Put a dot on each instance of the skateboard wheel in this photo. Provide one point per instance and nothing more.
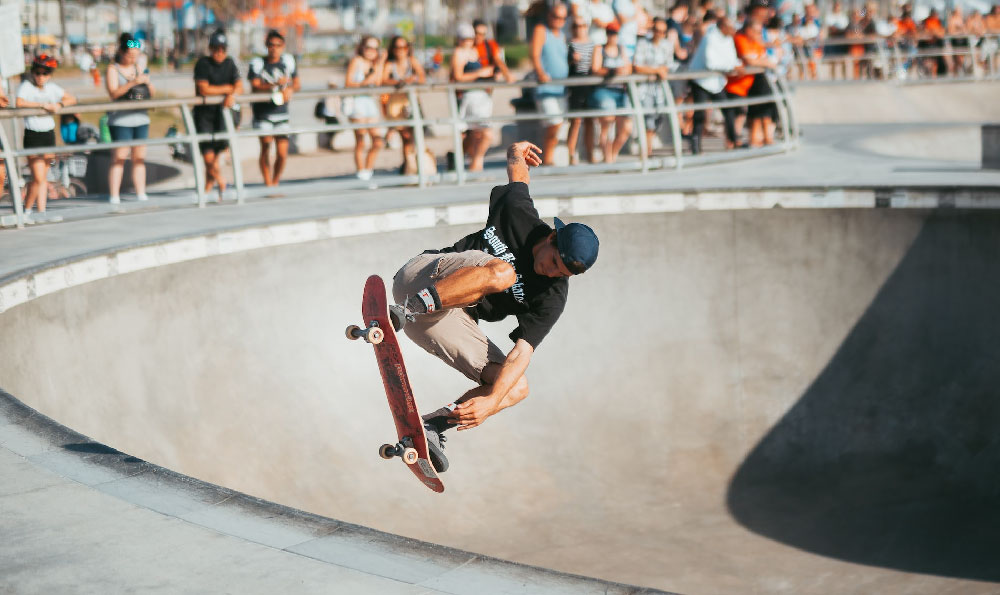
(410, 456)
(387, 451)
(375, 335)
(350, 332)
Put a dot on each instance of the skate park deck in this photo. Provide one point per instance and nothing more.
(778, 378)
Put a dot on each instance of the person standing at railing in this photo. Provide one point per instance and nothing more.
(215, 75)
(550, 59)
(716, 52)
(655, 57)
(958, 32)
(627, 12)
(364, 70)
(612, 60)
(127, 82)
(581, 60)
(835, 22)
(277, 74)
(38, 91)
(751, 49)
(466, 67)
(402, 68)
(933, 41)
(992, 21)
(490, 53)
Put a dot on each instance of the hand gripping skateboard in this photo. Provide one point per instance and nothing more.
(411, 445)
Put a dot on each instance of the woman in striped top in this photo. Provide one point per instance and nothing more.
(581, 58)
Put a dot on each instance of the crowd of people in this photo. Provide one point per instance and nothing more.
(584, 38)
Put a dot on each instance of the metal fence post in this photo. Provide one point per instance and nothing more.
(197, 160)
(227, 118)
(456, 135)
(675, 125)
(418, 136)
(13, 177)
(781, 103)
(640, 124)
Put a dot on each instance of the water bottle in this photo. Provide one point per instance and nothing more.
(105, 130)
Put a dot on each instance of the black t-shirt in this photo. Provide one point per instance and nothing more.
(216, 73)
(512, 229)
(272, 72)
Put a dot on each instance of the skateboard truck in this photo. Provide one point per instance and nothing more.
(402, 449)
(373, 334)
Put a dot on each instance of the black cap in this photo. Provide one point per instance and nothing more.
(577, 244)
(218, 40)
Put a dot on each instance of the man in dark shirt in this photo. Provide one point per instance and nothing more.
(215, 74)
(515, 266)
(276, 74)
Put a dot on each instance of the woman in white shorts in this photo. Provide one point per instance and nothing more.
(476, 104)
(365, 70)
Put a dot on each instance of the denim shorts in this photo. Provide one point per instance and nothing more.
(120, 133)
(606, 98)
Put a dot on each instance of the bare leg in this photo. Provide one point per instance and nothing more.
(549, 143)
(571, 139)
(377, 142)
(40, 186)
(482, 144)
(604, 139)
(264, 162)
(359, 149)
(588, 138)
(139, 169)
(623, 129)
(117, 171)
(280, 158)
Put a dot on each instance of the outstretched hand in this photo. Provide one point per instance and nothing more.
(529, 152)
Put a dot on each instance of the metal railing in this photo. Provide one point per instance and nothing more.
(636, 110)
(896, 57)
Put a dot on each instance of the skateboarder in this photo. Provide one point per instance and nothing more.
(515, 266)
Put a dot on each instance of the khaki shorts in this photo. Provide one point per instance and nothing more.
(451, 335)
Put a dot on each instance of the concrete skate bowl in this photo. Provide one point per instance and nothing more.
(752, 400)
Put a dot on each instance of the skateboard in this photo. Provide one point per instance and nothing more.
(411, 445)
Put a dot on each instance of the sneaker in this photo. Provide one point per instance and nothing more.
(28, 219)
(399, 316)
(365, 174)
(142, 197)
(435, 448)
(114, 199)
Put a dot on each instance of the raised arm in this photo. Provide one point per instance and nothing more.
(520, 157)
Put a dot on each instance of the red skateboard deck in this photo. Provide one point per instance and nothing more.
(409, 425)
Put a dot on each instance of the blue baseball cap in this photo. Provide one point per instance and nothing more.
(577, 245)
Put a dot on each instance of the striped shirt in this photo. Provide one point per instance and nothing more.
(585, 51)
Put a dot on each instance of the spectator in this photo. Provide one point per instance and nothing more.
(550, 59)
(627, 12)
(38, 91)
(215, 75)
(581, 60)
(612, 60)
(656, 57)
(993, 20)
(933, 40)
(466, 67)
(598, 14)
(278, 75)
(402, 68)
(810, 32)
(716, 52)
(836, 22)
(126, 82)
(364, 70)
(752, 51)
(958, 31)
(489, 52)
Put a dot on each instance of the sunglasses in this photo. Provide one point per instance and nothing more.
(275, 45)
(581, 25)
(557, 18)
(401, 47)
(660, 31)
(371, 47)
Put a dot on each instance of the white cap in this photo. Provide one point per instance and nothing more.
(465, 31)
